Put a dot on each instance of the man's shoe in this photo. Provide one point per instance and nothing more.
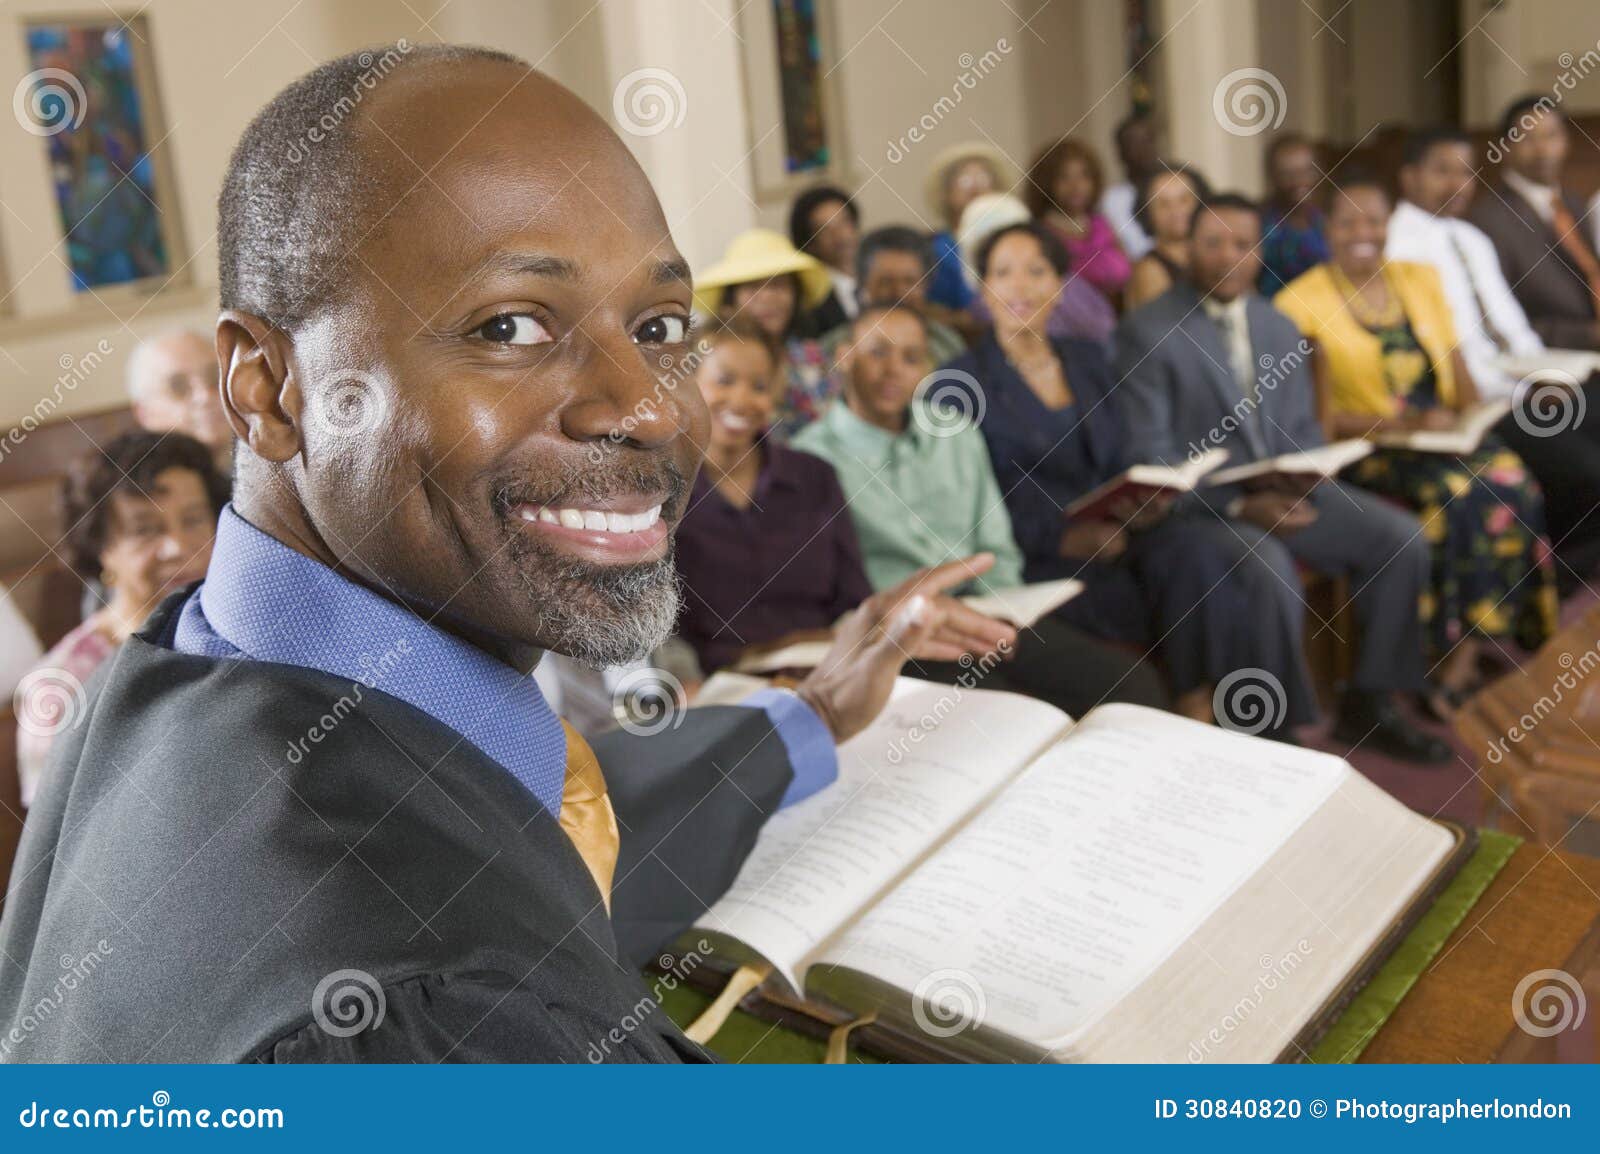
(1372, 722)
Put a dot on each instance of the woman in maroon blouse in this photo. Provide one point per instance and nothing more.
(766, 552)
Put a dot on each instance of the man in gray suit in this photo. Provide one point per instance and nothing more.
(1213, 365)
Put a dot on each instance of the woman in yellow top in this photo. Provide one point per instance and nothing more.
(1386, 360)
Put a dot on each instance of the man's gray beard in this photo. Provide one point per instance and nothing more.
(602, 615)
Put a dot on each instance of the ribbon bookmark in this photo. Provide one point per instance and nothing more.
(839, 1039)
(745, 979)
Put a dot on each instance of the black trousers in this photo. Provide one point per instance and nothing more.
(1062, 665)
(1567, 466)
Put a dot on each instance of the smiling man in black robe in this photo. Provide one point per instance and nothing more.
(317, 810)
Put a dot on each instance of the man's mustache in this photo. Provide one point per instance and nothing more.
(589, 482)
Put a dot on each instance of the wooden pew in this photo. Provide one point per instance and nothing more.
(32, 475)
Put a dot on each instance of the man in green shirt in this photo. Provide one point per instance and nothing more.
(920, 490)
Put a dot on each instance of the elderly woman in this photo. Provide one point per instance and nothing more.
(1043, 405)
(764, 277)
(1163, 206)
(1387, 359)
(1063, 193)
(143, 511)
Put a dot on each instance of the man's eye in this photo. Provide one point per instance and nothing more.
(513, 329)
(662, 331)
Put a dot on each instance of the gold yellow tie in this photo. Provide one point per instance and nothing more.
(586, 813)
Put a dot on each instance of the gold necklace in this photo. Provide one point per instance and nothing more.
(1391, 315)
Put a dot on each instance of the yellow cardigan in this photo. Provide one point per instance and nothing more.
(1352, 356)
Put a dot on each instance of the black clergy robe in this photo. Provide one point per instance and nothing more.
(191, 889)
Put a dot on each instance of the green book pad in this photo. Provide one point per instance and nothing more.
(745, 1038)
(1371, 1008)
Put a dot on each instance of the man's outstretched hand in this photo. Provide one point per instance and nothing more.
(871, 644)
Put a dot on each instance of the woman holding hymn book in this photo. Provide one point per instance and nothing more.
(1042, 405)
(1388, 369)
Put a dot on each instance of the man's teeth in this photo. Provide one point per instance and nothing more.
(595, 520)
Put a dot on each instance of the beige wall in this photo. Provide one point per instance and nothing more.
(895, 66)
(1530, 46)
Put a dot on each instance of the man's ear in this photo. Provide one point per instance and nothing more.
(259, 390)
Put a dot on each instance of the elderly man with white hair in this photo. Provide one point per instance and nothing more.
(172, 383)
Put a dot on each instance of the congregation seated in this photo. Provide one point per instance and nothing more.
(764, 277)
(1081, 311)
(825, 224)
(1045, 409)
(1164, 204)
(1439, 183)
(1292, 219)
(1388, 359)
(921, 490)
(1063, 193)
(1190, 379)
(894, 266)
(143, 512)
(1551, 264)
(958, 176)
(765, 552)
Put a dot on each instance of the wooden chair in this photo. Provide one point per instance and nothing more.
(32, 473)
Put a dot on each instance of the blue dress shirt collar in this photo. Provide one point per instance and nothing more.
(264, 601)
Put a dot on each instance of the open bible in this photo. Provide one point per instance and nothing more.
(1471, 426)
(1571, 365)
(1022, 605)
(1141, 484)
(990, 881)
(1296, 473)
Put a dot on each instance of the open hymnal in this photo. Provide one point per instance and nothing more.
(1471, 426)
(1022, 605)
(1295, 472)
(994, 882)
(1141, 484)
(1574, 366)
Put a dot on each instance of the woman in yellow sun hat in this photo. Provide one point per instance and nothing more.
(764, 277)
